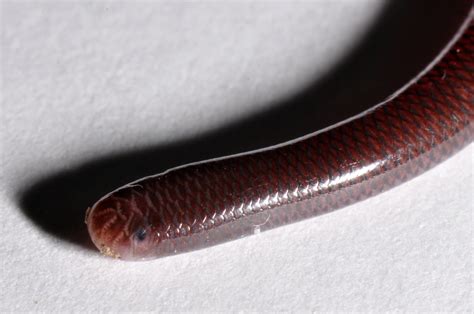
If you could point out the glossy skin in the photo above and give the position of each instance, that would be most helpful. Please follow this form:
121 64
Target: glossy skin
209 203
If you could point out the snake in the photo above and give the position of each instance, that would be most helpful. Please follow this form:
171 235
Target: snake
199 205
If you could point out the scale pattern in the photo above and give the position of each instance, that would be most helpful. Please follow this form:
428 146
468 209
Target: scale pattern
213 202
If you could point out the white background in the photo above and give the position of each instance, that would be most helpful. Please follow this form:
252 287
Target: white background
85 80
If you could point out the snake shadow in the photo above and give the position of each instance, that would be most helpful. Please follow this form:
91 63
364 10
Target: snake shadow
404 39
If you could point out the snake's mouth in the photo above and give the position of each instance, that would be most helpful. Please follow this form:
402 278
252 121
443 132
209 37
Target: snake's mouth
107 251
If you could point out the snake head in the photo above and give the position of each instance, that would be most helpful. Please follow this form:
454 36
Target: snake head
119 227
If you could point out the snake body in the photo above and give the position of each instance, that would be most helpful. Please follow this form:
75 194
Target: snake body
208 203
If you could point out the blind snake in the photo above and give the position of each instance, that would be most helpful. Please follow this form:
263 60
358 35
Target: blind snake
211 202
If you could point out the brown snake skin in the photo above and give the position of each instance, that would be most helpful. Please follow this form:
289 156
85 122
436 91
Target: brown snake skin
216 201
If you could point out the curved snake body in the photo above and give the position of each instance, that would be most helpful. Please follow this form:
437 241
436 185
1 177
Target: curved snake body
212 202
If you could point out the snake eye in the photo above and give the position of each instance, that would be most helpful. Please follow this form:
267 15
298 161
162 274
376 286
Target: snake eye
140 234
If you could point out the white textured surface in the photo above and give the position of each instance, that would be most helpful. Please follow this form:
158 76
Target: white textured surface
72 76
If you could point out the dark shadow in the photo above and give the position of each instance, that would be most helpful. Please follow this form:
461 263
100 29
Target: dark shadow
407 36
